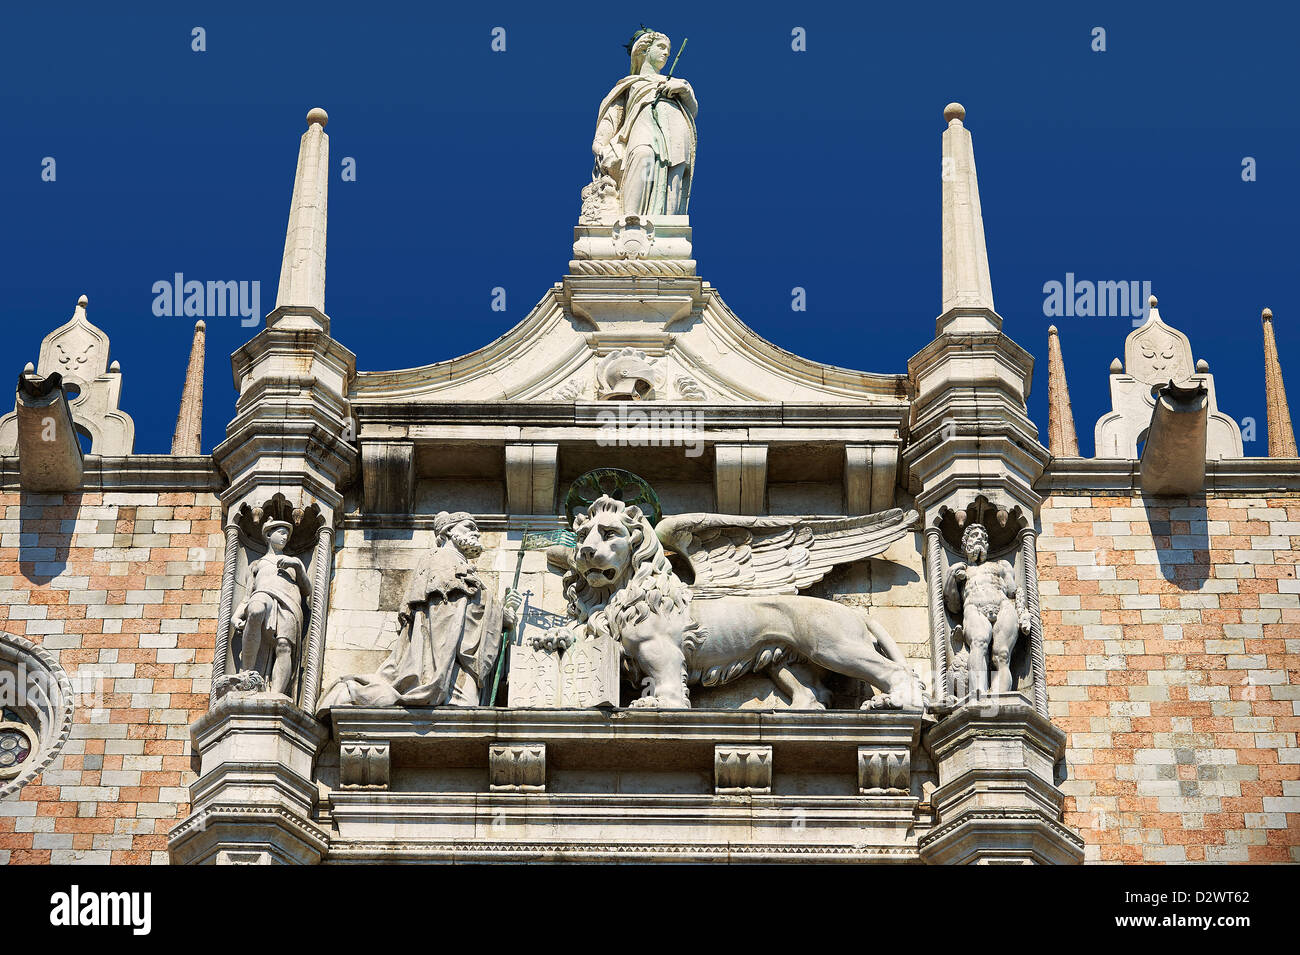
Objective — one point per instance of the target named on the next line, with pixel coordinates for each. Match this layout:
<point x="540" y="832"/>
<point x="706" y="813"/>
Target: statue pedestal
<point x="633" y="239"/>
<point x="254" y="798"/>
<point x="997" y="801"/>
<point x="629" y="785"/>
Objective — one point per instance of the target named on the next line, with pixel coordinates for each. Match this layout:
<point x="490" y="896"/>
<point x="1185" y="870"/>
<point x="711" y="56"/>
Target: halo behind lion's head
<point x="646" y="586"/>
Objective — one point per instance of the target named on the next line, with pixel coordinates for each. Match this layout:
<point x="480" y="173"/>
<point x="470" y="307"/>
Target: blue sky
<point x="817" y="169"/>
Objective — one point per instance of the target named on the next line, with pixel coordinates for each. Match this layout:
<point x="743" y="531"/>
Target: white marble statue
<point x="743" y="614"/>
<point x="451" y="627"/>
<point x="983" y="594"/>
<point x="645" y="134"/>
<point x="270" y="622"/>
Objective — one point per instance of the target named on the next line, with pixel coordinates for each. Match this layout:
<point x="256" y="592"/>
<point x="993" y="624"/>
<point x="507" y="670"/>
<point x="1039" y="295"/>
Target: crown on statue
<point x="631" y="44"/>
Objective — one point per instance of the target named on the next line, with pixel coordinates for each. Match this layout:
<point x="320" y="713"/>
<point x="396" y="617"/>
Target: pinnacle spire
<point x="1281" y="436"/>
<point x="966" y="280"/>
<point x="302" y="272"/>
<point x="1061" y="438"/>
<point x="188" y="436"/>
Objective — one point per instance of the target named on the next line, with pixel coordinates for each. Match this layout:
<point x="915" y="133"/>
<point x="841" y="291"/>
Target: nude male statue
<point x="983" y="594"/>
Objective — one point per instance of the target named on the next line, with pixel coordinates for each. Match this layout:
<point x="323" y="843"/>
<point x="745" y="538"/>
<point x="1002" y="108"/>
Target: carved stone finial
<point x="188" y="436"/>
<point x="1281" y="435"/>
<point x="1061" y="437"/>
<point x="966" y="280"/>
<point x="1155" y="355"/>
<point x="79" y="353"/>
<point x="302" y="269"/>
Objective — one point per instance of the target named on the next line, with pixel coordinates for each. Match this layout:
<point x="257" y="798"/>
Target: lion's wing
<point x="730" y="554"/>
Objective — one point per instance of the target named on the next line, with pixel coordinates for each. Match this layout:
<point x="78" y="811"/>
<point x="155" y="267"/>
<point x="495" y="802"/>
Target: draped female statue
<point x="645" y="133"/>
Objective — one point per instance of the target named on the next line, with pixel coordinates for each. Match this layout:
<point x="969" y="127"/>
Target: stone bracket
<point x="870" y="472"/>
<point x="517" y="767"/>
<point x="364" y="764"/>
<point x="741" y="770"/>
<point x="387" y="477"/>
<point x="884" y="771"/>
<point x="530" y="478"/>
<point x="740" y="478"/>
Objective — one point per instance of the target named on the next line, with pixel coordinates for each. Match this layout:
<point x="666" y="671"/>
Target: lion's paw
<point x="882" y="701"/>
<point x="660" y="703"/>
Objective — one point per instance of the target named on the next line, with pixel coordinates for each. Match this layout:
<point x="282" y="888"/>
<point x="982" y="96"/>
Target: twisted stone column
<point x="226" y="609"/>
<point x="1029" y="557"/>
<point x="939" y="642"/>
<point x="314" y="645"/>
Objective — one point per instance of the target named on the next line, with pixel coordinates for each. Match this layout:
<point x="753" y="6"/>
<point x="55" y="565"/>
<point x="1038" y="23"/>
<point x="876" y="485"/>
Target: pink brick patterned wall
<point x="122" y="589"/>
<point x="1172" y="637"/>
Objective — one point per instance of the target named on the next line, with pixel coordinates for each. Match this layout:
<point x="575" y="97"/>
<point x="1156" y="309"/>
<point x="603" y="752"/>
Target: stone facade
<point x="121" y="589"/>
<point x="1172" y="634"/>
<point x="662" y="592"/>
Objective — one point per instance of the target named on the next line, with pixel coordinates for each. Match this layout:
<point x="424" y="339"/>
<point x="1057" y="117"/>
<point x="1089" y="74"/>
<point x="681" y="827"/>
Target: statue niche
<point x="273" y="585"/>
<point x="983" y="601"/>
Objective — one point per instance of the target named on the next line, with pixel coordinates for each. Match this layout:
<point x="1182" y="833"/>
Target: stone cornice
<point x="609" y="851"/>
<point x="430" y="725"/>
<point x="1118" y="475"/>
<point x="485" y="851"/>
<point x="1012" y="720"/>
<point x="592" y="414"/>
<point x="135" y="472"/>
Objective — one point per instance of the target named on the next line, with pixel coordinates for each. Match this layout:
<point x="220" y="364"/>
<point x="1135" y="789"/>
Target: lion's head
<point x="618" y="571"/>
<point x="608" y="536"/>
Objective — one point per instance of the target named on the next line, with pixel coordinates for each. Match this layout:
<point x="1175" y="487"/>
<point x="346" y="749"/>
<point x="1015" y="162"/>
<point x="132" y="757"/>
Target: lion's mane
<point x="649" y="587"/>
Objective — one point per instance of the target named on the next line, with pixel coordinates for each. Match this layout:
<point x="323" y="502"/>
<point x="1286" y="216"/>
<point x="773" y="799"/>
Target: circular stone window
<point x="36" y="711"/>
<point x="17" y="743"/>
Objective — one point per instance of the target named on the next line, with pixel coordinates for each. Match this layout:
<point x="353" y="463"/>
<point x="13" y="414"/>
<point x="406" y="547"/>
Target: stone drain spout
<point x="49" y="452"/>
<point x="1173" y="458"/>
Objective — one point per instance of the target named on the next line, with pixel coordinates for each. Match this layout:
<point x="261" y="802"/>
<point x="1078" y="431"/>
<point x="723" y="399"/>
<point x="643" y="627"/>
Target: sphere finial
<point x="1051" y="330"/>
<point x="317" y="115"/>
<point x="1267" y="314"/>
<point x="1151" y="300"/>
<point x="954" y="111"/>
<point x="83" y="301"/>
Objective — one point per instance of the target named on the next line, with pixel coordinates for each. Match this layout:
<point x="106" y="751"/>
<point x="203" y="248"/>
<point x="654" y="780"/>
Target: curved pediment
<point x="610" y="340"/>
